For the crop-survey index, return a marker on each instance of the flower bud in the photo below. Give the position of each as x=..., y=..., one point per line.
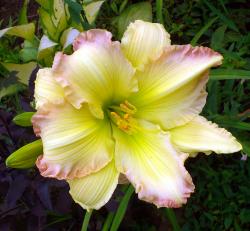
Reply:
x=23, y=119
x=25, y=157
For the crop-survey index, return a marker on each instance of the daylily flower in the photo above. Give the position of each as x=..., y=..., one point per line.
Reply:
x=129, y=109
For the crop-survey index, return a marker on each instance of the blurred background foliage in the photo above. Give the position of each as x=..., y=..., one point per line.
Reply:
x=32, y=31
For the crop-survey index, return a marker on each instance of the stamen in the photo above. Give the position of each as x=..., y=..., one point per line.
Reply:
x=122, y=117
x=128, y=107
x=126, y=116
x=115, y=116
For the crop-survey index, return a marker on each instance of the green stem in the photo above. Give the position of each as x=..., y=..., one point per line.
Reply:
x=159, y=15
x=122, y=209
x=86, y=220
x=107, y=224
x=172, y=219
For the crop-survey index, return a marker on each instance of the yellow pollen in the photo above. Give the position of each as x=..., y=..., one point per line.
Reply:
x=128, y=108
x=123, y=119
x=126, y=116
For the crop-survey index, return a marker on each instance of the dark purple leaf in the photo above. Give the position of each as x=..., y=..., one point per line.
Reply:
x=43, y=192
x=32, y=81
x=38, y=209
x=26, y=104
x=5, y=226
x=16, y=190
x=63, y=201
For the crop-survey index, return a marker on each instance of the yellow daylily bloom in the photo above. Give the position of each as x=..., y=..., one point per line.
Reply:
x=126, y=110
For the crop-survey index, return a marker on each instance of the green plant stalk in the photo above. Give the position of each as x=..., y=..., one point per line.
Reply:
x=159, y=15
x=108, y=222
x=172, y=219
x=86, y=220
x=122, y=209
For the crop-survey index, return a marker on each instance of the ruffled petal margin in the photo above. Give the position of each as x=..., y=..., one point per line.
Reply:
x=172, y=88
x=75, y=143
x=47, y=89
x=200, y=135
x=153, y=166
x=96, y=73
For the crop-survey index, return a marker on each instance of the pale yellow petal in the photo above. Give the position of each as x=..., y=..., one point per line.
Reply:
x=143, y=41
x=47, y=89
x=177, y=66
x=171, y=88
x=200, y=135
x=153, y=166
x=97, y=72
x=75, y=143
x=95, y=190
x=176, y=108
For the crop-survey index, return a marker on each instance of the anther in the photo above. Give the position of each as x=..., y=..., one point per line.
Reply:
x=128, y=108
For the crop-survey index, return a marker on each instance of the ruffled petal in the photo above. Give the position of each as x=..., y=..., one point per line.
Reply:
x=97, y=72
x=47, y=89
x=101, y=37
x=171, y=88
x=153, y=166
x=95, y=190
x=75, y=143
x=200, y=135
x=143, y=41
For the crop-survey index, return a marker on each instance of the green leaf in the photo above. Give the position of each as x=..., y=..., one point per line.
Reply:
x=23, y=13
x=122, y=209
x=68, y=37
x=142, y=10
x=159, y=8
x=226, y=121
x=225, y=19
x=46, y=50
x=47, y=24
x=108, y=222
x=23, y=70
x=202, y=31
x=24, y=119
x=245, y=216
x=9, y=85
x=91, y=10
x=172, y=219
x=74, y=11
x=59, y=17
x=45, y=4
x=25, y=157
x=54, y=21
x=224, y=74
x=218, y=37
x=123, y=5
x=25, y=31
x=29, y=51
x=245, y=142
x=10, y=90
